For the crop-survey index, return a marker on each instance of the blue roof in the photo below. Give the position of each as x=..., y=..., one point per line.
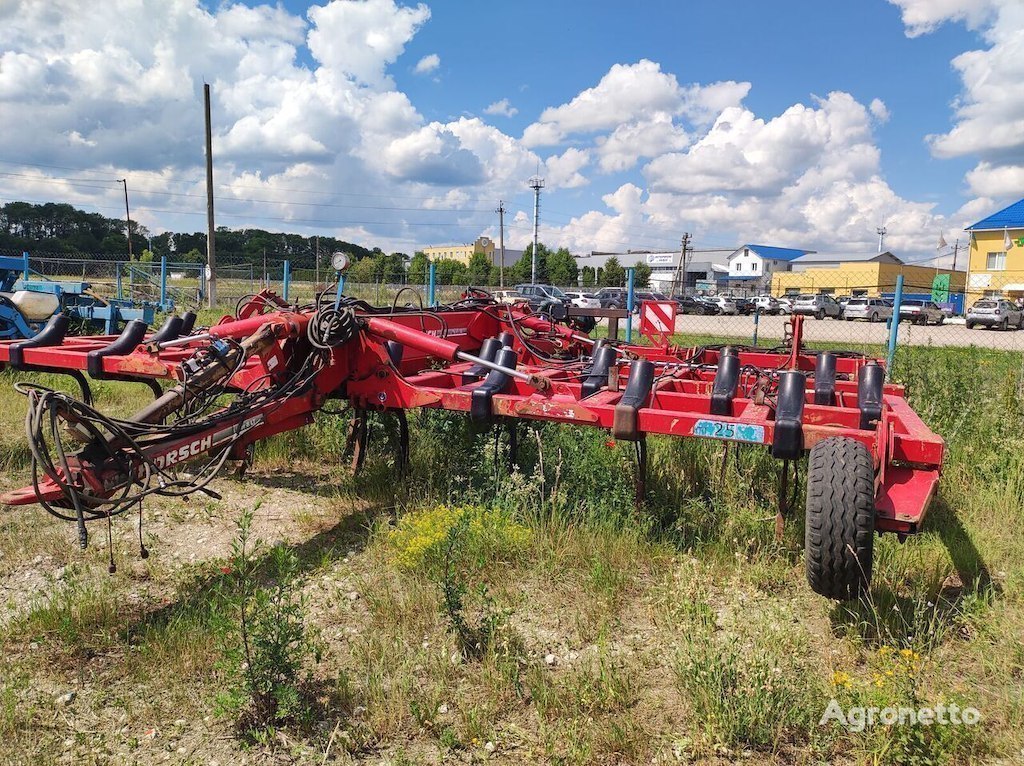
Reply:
x=1011, y=217
x=777, y=253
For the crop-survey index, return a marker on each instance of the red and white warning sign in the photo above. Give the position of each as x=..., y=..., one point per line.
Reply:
x=658, y=321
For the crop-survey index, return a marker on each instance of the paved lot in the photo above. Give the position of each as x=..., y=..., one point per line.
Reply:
x=771, y=327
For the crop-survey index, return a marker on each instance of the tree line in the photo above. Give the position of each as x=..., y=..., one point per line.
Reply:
x=61, y=229
x=56, y=229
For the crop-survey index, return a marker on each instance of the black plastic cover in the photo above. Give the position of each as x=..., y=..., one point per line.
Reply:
x=125, y=343
x=494, y=383
x=723, y=389
x=597, y=377
x=52, y=334
x=626, y=421
x=825, y=379
x=870, y=383
x=788, y=443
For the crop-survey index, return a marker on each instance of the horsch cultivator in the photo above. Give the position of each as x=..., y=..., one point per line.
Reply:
x=873, y=465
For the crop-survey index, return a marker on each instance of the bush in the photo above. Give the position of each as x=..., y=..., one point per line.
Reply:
x=420, y=540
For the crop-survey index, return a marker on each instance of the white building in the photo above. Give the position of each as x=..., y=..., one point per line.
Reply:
x=755, y=261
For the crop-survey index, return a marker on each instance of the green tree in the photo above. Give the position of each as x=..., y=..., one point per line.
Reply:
x=523, y=268
x=612, y=275
x=642, y=275
x=389, y=268
x=589, y=276
x=363, y=270
x=562, y=268
x=418, y=266
x=450, y=272
x=479, y=269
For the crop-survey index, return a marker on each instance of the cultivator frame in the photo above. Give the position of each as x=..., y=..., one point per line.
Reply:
x=281, y=364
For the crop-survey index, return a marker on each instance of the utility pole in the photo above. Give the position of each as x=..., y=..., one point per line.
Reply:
x=681, y=266
x=536, y=183
x=211, y=253
x=956, y=249
x=501, y=241
x=128, y=217
x=881, y=237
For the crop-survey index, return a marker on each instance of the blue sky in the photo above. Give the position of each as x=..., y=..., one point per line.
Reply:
x=538, y=54
x=803, y=124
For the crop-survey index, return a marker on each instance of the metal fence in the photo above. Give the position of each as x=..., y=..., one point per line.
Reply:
x=984, y=311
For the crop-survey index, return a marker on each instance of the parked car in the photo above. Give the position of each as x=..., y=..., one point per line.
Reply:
x=995, y=312
x=612, y=297
x=766, y=304
x=725, y=305
x=842, y=300
x=688, y=305
x=871, y=309
x=543, y=297
x=507, y=296
x=785, y=304
x=818, y=306
x=921, y=311
x=583, y=300
x=744, y=305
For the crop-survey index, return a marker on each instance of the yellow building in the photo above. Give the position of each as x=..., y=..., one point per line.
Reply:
x=996, y=265
x=461, y=253
x=864, y=278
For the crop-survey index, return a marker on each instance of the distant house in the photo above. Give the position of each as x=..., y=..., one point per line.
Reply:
x=756, y=261
x=996, y=265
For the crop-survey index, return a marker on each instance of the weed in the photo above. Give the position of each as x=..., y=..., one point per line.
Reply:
x=267, y=645
x=474, y=640
x=748, y=693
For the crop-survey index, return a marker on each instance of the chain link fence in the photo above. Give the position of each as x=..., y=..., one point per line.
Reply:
x=847, y=309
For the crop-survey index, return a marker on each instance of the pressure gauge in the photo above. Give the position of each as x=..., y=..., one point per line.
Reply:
x=340, y=261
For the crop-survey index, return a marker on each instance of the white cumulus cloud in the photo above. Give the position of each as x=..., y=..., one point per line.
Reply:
x=501, y=108
x=427, y=64
x=989, y=113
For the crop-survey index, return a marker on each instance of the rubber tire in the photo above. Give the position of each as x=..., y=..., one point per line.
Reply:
x=1005, y=324
x=970, y=325
x=819, y=314
x=874, y=317
x=840, y=518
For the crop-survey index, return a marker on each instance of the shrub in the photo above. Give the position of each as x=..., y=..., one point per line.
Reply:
x=420, y=540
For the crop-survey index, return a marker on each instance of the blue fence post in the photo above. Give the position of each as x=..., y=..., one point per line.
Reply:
x=287, y=279
x=432, y=285
x=163, y=282
x=24, y=266
x=894, y=324
x=120, y=289
x=630, y=275
x=757, y=320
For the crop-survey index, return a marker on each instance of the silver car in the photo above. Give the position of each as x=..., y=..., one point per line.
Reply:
x=725, y=306
x=995, y=312
x=921, y=312
x=871, y=309
x=818, y=306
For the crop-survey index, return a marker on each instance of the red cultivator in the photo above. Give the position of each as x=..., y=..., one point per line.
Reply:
x=873, y=463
